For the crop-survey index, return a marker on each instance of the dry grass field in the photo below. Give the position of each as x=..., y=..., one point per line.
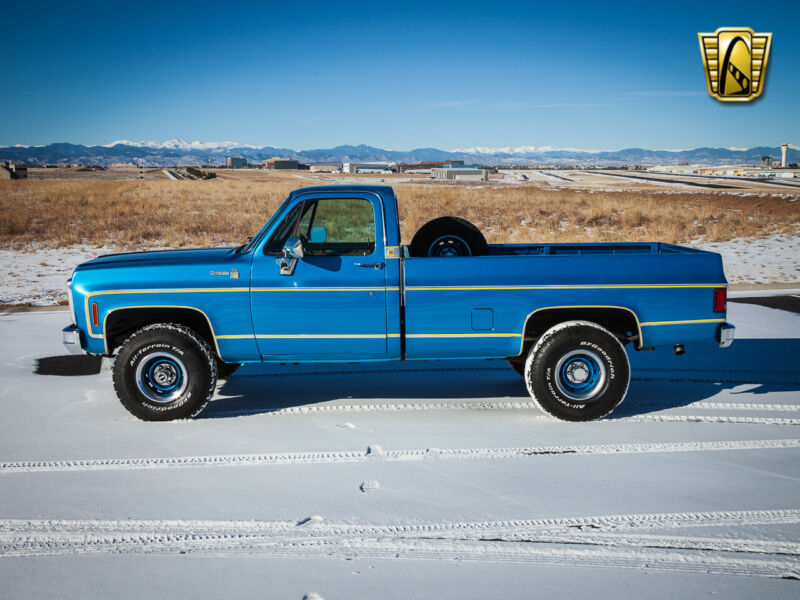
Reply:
x=225, y=211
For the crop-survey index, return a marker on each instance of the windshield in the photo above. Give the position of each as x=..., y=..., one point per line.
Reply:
x=257, y=237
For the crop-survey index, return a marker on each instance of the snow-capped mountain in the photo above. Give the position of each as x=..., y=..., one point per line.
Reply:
x=520, y=150
x=178, y=144
x=182, y=152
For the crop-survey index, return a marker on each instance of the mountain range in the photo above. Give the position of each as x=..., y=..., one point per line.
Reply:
x=181, y=152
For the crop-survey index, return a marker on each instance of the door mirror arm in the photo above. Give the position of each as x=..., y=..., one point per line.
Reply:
x=292, y=252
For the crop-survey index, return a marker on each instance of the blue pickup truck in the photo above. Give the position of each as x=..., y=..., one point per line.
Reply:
x=327, y=280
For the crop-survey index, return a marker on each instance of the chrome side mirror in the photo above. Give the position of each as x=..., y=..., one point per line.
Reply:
x=292, y=252
x=293, y=247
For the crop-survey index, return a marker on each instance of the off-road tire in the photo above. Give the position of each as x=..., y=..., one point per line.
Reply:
x=448, y=236
x=225, y=370
x=594, y=353
x=185, y=353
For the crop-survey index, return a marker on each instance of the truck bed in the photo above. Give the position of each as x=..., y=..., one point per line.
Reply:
x=607, y=248
x=478, y=306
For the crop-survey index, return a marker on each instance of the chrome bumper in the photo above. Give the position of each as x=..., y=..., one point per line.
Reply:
x=726, y=334
x=71, y=338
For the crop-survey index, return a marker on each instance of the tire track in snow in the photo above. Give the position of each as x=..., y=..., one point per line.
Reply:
x=316, y=526
x=708, y=419
x=790, y=372
x=541, y=541
x=703, y=405
x=286, y=458
x=740, y=381
x=212, y=413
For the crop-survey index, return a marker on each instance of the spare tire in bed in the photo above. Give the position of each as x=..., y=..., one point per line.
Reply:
x=448, y=236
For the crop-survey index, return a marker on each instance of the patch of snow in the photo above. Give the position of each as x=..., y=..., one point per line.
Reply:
x=774, y=259
x=39, y=276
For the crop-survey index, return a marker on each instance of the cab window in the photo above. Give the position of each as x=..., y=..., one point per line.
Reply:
x=330, y=227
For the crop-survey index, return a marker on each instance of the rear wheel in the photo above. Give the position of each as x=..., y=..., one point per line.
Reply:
x=577, y=371
x=448, y=236
x=164, y=372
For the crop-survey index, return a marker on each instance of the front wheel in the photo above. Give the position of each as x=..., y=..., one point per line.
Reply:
x=164, y=372
x=577, y=371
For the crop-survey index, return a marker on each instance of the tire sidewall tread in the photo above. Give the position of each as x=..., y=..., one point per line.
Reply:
x=543, y=392
x=183, y=342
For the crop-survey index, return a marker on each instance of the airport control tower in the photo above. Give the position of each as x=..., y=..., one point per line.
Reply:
x=784, y=147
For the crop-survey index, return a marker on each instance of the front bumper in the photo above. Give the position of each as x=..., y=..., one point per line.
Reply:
x=71, y=337
x=726, y=335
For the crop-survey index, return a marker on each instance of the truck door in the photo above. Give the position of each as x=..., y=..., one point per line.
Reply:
x=333, y=305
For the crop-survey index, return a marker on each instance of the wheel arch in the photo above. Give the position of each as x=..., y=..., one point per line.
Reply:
x=119, y=323
x=618, y=319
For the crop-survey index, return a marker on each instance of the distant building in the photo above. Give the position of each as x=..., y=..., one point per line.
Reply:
x=11, y=171
x=235, y=162
x=461, y=174
x=326, y=168
x=728, y=170
x=280, y=163
x=766, y=161
x=381, y=167
x=425, y=167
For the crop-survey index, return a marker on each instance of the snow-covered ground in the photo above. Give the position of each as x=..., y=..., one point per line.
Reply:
x=774, y=259
x=39, y=276
x=404, y=480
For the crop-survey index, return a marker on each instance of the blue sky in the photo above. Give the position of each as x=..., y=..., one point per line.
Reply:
x=395, y=75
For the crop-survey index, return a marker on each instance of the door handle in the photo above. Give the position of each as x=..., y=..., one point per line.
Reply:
x=376, y=265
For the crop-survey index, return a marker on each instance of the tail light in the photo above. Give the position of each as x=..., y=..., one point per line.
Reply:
x=720, y=300
x=96, y=320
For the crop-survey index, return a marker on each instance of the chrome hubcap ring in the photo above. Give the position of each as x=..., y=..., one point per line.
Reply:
x=161, y=377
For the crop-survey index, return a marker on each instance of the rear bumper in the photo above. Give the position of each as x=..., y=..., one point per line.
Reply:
x=71, y=338
x=725, y=335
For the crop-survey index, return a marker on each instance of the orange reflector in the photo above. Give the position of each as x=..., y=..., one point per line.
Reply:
x=720, y=300
x=95, y=320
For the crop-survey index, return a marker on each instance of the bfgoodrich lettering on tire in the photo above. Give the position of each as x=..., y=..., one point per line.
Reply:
x=164, y=372
x=577, y=371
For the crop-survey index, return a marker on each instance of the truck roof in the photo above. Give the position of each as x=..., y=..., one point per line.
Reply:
x=382, y=190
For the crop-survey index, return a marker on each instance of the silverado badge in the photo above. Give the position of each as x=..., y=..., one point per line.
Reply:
x=234, y=273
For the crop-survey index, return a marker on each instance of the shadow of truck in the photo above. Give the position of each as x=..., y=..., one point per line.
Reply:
x=659, y=379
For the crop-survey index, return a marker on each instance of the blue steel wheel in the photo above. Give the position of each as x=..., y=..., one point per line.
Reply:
x=580, y=375
x=577, y=371
x=163, y=372
x=161, y=376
